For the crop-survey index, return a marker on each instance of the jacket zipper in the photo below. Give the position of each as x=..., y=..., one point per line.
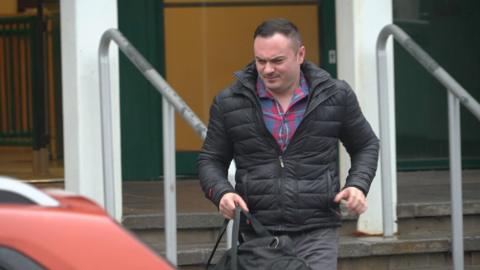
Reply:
x=280, y=190
x=272, y=140
x=275, y=145
x=260, y=120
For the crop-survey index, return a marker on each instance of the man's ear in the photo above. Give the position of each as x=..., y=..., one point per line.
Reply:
x=301, y=54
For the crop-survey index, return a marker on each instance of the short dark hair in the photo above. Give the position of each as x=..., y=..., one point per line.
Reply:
x=279, y=25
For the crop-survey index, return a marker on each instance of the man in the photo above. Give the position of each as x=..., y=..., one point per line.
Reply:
x=281, y=121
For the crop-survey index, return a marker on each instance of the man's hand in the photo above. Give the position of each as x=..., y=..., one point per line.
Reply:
x=228, y=203
x=355, y=200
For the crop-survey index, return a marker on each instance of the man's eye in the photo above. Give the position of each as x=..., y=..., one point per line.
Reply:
x=277, y=61
x=262, y=62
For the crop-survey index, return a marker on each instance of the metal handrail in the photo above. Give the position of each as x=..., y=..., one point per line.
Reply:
x=171, y=101
x=456, y=94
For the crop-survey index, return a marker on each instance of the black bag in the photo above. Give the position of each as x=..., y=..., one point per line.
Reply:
x=262, y=252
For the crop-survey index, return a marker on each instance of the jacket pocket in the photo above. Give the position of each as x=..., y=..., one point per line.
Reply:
x=241, y=178
x=330, y=192
x=332, y=205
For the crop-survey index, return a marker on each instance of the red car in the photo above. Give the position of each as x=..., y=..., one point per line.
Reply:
x=57, y=230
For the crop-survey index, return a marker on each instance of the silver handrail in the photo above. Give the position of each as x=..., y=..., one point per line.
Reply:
x=456, y=94
x=171, y=102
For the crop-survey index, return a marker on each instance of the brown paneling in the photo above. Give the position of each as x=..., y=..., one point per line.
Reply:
x=8, y=6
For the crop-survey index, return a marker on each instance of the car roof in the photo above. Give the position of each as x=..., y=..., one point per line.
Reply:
x=72, y=233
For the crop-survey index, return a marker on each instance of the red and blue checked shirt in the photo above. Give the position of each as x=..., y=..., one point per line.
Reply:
x=282, y=125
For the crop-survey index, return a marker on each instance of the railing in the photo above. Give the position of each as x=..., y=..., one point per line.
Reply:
x=171, y=101
x=456, y=94
x=16, y=56
x=19, y=73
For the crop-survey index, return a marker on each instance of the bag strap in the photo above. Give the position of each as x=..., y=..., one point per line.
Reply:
x=219, y=238
x=258, y=228
x=235, y=233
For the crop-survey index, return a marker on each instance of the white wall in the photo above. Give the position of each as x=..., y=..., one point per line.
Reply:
x=358, y=25
x=83, y=22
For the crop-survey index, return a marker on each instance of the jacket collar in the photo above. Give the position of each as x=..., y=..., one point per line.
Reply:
x=315, y=76
x=246, y=77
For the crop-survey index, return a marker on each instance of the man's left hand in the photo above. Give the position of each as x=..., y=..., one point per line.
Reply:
x=355, y=199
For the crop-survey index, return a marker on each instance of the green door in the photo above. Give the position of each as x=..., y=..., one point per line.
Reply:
x=142, y=22
x=448, y=31
x=141, y=120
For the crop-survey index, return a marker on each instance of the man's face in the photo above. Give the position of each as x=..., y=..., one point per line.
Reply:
x=278, y=61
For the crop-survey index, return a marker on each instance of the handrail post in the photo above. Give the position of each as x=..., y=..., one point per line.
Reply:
x=456, y=95
x=387, y=135
x=171, y=102
x=169, y=185
x=109, y=175
x=454, y=139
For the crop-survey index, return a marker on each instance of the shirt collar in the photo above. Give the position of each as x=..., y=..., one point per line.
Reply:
x=299, y=92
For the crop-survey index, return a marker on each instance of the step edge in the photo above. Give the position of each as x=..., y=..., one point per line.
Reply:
x=348, y=248
x=196, y=220
x=435, y=209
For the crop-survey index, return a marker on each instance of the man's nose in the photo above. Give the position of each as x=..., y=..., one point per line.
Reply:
x=268, y=68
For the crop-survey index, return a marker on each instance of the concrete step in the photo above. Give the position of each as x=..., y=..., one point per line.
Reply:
x=434, y=218
x=413, y=219
x=192, y=228
x=423, y=238
x=423, y=241
x=195, y=228
x=365, y=253
x=433, y=253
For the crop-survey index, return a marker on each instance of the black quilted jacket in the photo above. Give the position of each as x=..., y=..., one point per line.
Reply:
x=291, y=190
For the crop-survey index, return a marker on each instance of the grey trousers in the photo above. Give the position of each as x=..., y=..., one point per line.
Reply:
x=319, y=248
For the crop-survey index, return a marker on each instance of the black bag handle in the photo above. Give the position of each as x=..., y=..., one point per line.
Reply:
x=235, y=233
x=258, y=228
x=222, y=232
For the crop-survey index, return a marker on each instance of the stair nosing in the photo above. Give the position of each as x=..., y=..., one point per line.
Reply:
x=435, y=209
x=349, y=247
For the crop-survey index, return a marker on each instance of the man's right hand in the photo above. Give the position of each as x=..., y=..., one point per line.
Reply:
x=228, y=203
